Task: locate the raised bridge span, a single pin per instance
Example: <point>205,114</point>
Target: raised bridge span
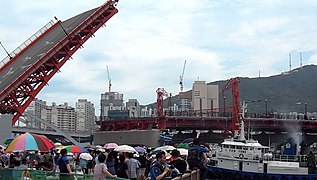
<point>26,70</point>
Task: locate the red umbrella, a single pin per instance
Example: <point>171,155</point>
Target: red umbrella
<point>73,149</point>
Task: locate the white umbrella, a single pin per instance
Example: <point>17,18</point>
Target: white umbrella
<point>85,156</point>
<point>182,151</point>
<point>164,148</point>
<point>57,144</point>
<point>125,148</point>
<point>98,147</point>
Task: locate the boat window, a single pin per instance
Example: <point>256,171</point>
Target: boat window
<point>239,147</point>
<point>232,147</point>
<point>225,146</point>
<point>251,148</point>
<point>245,148</point>
<point>266,150</point>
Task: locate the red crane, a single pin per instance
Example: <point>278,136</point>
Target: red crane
<point>233,84</point>
<point>159,101</point>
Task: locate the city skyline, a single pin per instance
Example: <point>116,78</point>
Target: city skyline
<point>146,43</point>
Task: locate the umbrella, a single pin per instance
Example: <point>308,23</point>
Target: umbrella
<point>98,147</point>
<point>182,151</point>
<point>85,156</point>
<point>140,149</point>
<point>110,145</point>
<point>73,149</point>
<point>183,145</point>
<point>57,144</point>
<point>125,148</point>
<point>164,148</point>
<point>30,142</point>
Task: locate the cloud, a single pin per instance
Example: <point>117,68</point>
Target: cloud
<point>146,43</point>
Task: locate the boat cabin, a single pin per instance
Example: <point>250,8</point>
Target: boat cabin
<point>242,149</point>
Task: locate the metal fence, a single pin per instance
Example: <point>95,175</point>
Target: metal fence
<point>16,174</point>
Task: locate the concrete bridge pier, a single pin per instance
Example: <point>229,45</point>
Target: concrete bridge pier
<point>5,127</point>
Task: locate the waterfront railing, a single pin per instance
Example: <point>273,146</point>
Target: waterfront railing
<point>16,174</point>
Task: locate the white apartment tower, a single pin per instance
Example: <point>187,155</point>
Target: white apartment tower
<point>204,97</point>
<point>133,106</point>
<point>35,108</point>
<point>110,101</point>
<point>62,116</point>
<point>85,115</point>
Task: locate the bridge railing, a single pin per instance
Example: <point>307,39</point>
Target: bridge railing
<point>26,43</point>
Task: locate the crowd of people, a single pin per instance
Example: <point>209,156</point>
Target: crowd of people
<point>154,165</point>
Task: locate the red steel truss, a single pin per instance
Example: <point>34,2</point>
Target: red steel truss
<point>20,93</point>
<point>207,123</point>
<point>233,84</point>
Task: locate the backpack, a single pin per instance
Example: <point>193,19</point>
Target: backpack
<point>193,158</point>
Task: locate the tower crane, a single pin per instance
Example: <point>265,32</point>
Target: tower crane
<point>181,77</point>
<point>109,79</point>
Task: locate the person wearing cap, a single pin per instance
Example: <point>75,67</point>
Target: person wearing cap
<point>159,170</point>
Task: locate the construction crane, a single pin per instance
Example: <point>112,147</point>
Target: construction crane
<point>181,77</point>
<point>109,79</point>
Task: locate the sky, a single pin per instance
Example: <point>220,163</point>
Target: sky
<point>146,43</point>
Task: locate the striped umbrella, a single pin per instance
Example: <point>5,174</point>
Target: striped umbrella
<point>73,149</point>
<point>30,142</point>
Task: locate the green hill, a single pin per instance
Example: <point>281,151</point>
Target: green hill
<point>287,92</point>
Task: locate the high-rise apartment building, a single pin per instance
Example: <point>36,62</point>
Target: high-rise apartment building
<point>110,101</point>
<point>62,116</point>
<point>35,108</point>
<point>133,106</point>
<point>204,96</point>
<point>85,115</point>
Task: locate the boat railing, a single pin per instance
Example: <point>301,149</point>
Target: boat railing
<point>287,158</point>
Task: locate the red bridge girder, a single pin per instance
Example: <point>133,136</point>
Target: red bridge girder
<point>209,123</point>
<point>19,94</point>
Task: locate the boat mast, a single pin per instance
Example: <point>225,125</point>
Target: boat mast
<point>243,109</point>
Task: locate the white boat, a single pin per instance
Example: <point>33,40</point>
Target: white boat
<point>243,158</point>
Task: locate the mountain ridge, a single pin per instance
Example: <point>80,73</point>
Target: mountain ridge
<point>285,92</point>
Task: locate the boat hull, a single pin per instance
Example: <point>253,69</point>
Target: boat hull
<point>215,172</point>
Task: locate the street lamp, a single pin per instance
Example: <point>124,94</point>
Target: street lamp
<point>266,108</point>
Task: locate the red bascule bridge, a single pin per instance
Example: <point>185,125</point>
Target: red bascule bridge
<point>28,69</point>
<point>226,119</point>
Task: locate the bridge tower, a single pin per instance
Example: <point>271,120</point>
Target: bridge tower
<point>233,84</point>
